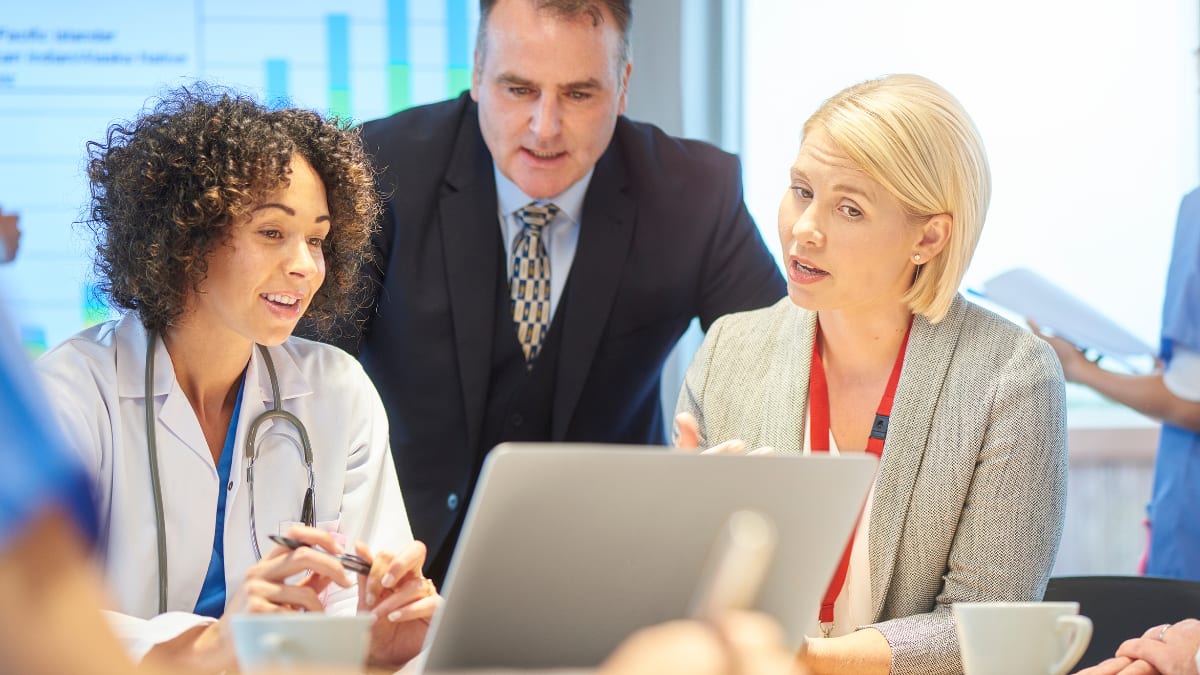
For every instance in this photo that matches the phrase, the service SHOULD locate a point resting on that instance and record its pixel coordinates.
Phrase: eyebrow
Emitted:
(837, 187)
(509, 78)
(590, 83)
(286, 209)
(842, 187)
(516, 80)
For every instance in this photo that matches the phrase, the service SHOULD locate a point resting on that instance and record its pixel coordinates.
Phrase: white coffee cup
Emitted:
(301, 640)
(1003, 638)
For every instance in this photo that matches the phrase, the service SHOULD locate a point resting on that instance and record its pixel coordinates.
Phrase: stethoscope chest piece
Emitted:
(307, 508)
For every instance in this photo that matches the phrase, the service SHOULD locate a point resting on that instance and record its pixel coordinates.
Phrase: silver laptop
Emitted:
(567, 549)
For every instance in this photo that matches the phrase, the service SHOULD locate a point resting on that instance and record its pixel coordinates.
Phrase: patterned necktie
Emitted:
(530, 285)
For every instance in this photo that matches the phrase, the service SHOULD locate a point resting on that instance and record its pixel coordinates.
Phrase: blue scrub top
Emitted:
(40, 472)
(212, 593)
(1173, 512)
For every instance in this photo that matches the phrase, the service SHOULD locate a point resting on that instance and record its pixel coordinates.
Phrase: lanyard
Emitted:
(818, 398)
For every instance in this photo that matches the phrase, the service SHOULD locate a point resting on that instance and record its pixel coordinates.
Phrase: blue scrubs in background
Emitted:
(1173, 512)
(39, 472)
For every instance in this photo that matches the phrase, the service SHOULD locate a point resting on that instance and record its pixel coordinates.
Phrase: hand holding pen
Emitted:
(309, 550)
(390, 585)
(349, 561)
(402, 600)
(269, 586)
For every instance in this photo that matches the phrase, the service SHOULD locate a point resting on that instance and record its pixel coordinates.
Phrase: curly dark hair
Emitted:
(166, 186)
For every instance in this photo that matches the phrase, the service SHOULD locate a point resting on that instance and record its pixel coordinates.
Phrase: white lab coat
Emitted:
(96, 381)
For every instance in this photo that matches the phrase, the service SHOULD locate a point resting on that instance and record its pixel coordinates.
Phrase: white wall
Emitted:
(1088, 110)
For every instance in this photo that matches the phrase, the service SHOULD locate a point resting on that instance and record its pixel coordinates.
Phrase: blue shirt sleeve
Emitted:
(39, 472)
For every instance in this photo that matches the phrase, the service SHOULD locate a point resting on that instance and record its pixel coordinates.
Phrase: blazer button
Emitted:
(452, 501)
(517, 420)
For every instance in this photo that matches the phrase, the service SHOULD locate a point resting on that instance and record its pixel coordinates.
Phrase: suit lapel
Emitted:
(605, 235)
(792, 365)
(470, 228)
(926, 363)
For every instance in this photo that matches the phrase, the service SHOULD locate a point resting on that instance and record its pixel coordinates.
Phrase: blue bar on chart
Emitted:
(338, 34)
(399, 67)
(277, 83)
(458, 44)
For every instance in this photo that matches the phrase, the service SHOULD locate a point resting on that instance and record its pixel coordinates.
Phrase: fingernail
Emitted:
(370, 599)
(396, 616)
(388, 580)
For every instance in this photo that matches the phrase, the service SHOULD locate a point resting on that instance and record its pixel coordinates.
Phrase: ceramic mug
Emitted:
(1001, 638)
(301, 640)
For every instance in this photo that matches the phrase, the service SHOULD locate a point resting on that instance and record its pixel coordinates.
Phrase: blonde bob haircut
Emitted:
(914, 139)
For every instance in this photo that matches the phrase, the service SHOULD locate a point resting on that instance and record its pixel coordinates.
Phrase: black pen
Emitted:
(351, 562)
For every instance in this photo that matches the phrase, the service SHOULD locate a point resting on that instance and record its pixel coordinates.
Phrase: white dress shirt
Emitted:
(852, 608)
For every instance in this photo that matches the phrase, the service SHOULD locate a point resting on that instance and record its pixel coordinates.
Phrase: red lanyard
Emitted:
(818, 423)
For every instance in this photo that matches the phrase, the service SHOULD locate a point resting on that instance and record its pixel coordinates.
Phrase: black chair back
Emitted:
(1124, 607)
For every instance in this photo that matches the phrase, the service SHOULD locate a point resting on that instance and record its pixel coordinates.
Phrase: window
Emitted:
(1088, 111)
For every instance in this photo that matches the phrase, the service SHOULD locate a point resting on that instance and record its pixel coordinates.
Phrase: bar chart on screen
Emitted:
(71, 68)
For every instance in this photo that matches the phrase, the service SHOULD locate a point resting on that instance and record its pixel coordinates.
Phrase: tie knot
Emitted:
(535, 216)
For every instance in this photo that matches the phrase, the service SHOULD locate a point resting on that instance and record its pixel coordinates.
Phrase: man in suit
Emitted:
(540, 255)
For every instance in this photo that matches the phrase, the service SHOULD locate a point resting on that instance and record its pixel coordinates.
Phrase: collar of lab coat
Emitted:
(176, 413)
(131, 367)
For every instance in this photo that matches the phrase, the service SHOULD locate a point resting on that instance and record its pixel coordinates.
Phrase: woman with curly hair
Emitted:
(220, 223)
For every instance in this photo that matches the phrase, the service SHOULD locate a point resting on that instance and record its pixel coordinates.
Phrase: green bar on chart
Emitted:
(399, 67)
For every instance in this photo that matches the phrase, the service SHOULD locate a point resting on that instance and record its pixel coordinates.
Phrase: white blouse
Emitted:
(852, 609)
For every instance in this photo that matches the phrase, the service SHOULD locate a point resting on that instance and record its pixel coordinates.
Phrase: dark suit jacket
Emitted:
(665, 237)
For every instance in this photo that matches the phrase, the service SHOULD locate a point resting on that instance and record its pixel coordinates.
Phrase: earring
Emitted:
(917, 258)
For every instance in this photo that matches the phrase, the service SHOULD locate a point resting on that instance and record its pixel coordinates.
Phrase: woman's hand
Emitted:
(687, 439)
(266, 590)
(402, 600)
(1169, 649)
(1119, 665)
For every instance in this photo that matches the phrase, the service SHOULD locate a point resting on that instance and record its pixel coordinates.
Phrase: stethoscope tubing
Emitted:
(155, 486)
(307, 510)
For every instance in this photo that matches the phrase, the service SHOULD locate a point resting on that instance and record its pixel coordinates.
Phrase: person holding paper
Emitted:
(874, 350)
(1172, 395)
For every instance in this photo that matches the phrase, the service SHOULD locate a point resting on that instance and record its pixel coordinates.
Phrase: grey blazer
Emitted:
(970, 494)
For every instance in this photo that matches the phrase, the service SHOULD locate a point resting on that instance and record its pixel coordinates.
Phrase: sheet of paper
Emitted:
(1027, 293)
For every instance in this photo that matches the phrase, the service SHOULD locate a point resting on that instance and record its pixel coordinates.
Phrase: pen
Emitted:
(351, 562)
(737, 565)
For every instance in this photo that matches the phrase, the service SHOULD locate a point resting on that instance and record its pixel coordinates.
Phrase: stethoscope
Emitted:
(306, 510)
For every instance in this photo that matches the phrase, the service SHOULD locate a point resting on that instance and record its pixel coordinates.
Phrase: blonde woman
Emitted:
(874, 350)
